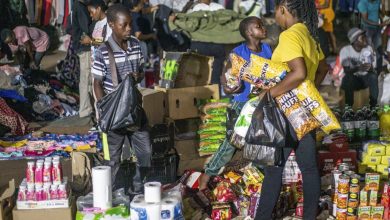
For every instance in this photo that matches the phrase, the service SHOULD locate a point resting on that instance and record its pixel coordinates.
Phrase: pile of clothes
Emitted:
(36, 95)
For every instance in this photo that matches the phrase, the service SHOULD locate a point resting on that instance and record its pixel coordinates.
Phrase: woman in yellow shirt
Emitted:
(299, 48)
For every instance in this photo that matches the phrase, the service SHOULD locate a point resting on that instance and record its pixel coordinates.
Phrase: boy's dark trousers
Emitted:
(140, 142)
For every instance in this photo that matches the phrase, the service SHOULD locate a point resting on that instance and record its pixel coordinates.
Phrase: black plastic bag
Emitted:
(268, 125)
(266, 134)
(121, 108)
(231, 118)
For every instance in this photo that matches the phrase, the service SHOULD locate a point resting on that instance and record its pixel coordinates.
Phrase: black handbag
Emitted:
(120, 109)
(266, 135)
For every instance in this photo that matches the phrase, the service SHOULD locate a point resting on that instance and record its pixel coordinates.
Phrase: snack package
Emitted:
(372, 181)
(377, 212)
(239, 65)
(233, 177)
(300, 118)
(363, 198)
(373, 198)
(221, 211)
(312, 100)
(224, 193)
(243, 122)
(376, 149)
(264, 73)
(364, 212)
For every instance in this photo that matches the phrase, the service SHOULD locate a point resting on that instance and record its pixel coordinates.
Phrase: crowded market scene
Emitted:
(147, 109)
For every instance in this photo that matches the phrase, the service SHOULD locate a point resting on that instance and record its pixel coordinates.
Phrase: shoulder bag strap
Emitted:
(104, 34)
(111, 59)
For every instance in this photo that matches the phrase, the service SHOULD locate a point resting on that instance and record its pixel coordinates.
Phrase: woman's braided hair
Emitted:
(305, 11)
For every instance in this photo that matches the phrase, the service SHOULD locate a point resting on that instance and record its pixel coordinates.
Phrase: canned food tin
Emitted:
(355, 179)
(342, 201)
(343, 186)
(343, 167)
(341, 214)
(353, 203)
(336, 175)
(354, 188)
(352, 211)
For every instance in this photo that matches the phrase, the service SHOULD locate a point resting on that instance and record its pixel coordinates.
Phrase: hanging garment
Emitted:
(60, 11)
(12, 119)
(30, 4)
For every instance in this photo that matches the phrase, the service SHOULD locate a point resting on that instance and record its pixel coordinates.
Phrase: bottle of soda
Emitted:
(373, 128)
(347, 123)
(360, 126)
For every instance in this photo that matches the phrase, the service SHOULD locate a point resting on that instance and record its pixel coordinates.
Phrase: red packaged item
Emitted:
(299, 210)
(253, 204)
(224, 193)
(328, 161)
(221, 211)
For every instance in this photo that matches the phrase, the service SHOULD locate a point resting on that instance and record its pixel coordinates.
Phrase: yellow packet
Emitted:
(312, 100)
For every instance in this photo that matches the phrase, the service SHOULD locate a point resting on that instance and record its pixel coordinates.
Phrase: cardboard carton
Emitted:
(39, 214)
(154, 104)
(182, 103)
(187, 149)
(7, 200)
(327, 160)
(193, 69)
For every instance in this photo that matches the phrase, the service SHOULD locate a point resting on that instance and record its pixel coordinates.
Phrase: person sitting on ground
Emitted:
(32, 41)
(358, 60)
(253, 31)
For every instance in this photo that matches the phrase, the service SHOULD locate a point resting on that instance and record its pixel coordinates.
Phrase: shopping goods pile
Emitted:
(212, 130)
(44, 185)
(30, 146)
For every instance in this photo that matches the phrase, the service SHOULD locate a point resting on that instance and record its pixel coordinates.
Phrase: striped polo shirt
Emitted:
(129, 61)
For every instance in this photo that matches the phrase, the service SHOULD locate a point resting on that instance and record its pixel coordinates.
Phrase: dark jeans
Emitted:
(353, 83)
(306, 156)
(140, 142)
(213, 50)
(374, 38)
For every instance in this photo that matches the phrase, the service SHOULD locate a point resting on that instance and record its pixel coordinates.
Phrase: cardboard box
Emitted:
(16, 169)
(7, 200)
(193, 69)
(182, 103)
(327, 161)
(187, 149)
(39, 214)
(154, 104)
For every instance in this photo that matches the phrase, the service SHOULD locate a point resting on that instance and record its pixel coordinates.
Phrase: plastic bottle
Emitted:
(373, 130)
(360, 126)
(22, 194)
(347, 123)
(30, 172)
(39, 174)
(46, 191)
(385, 121)
(62, 194)
(30, 195)
(47, 172)
(39, 193)
(54, 192)
(56, 172)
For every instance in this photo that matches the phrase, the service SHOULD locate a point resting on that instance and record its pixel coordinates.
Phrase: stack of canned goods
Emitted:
(346, 193)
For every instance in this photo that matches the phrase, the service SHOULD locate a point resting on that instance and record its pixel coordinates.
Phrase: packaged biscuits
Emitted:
(372, 181)
(364, 212)
(377, 212)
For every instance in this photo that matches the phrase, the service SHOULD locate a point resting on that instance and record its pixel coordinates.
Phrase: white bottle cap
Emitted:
(22, 187)
(31, 163)
(40, 161)
(61, 187)
(54, 187)
(47, 163)
(30, 187)
(48, 159)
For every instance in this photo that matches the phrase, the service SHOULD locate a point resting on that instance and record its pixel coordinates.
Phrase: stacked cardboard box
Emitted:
(191, 85)
(375, 157)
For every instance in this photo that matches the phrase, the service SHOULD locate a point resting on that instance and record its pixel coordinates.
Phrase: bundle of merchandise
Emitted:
(157, 205)
(44, 186)
(304, 107)
(212, 131)
(375, 158)
(47, 145)
(351, 202)
(385, 200)
(360, 125)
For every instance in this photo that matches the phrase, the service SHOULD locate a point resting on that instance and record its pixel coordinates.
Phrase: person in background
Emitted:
(325, 7)
(210, 49)
(129, 60)
(141, 27)
(370, 15)
(102, 31)
(358, 61)
(299, 48)
(253, 31)
(82, 42)
(32, 41)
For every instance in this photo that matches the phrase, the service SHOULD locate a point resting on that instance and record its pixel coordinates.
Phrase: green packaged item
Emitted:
(214, 137)
(212, 130)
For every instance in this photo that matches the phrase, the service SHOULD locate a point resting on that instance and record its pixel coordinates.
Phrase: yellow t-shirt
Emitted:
(297, 42)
